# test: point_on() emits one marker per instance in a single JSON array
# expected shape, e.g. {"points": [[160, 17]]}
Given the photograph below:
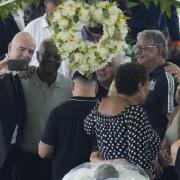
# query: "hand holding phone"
{"points": [[17, 65], [3, 67]]}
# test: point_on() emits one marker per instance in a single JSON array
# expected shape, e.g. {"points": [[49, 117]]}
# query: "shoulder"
{"points": [[135, 108], [57, 110], [136, 112], [34, 24], [26, 82], [63, 79], [163, 75]]}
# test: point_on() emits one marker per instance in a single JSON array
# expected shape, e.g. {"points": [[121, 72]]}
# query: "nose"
{"points": [[137, 51], [27, 54]]}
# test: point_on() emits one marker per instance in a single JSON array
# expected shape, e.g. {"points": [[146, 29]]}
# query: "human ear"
{"points": [[141, 92], [9, 47]]}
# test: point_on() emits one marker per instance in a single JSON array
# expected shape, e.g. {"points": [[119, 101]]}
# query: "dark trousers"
{"points": [[32, 167], [7, 171]]}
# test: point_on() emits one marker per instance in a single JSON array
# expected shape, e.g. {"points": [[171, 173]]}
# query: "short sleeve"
{"points": [[90, 121], [50, 134], [143, 142]]}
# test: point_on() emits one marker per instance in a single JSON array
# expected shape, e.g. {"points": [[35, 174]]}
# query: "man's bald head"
{"points": [[22, 46]]}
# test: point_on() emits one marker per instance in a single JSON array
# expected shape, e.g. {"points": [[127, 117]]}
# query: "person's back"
{"points": [[74, 145], [65, 129], [112, 105], [120, 123]]}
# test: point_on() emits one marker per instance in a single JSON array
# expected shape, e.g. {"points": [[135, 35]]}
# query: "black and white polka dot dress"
{"points": [[125, 135]]}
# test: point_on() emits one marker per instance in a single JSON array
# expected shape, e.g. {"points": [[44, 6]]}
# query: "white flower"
{"points": [[64, 23], [84, 15], [78, 57], [81, 55]]}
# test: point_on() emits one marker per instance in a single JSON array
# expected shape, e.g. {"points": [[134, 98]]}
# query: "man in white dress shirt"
{"points": [[40, 30]]}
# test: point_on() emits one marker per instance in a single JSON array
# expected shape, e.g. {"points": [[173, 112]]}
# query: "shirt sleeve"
{"points": [[90, 121], [166, 91], [143, 142], [50, 134]]}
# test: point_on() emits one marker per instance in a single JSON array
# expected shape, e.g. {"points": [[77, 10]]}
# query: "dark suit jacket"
{"points": [[12, 112]]}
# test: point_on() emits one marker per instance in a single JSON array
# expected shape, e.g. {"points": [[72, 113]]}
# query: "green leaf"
{"points": [[146, 3], [117, 35], [71, 58], [76, 19], [106, 13], [97, 55], [105, 41], [132, 4]]}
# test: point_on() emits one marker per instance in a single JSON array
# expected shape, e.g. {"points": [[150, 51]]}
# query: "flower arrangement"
{"points": [[83, 56]]}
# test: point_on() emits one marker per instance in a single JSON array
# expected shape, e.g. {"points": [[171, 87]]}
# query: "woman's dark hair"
{"points": [[128, 77]]}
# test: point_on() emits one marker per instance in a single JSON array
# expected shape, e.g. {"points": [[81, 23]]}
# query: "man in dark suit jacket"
{"points": [[8, 28], [12, 105]]}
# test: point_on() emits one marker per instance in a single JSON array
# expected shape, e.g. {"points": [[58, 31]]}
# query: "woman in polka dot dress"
{"points": [[121, 125]]}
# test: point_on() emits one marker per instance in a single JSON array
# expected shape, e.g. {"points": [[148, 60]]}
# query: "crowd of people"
{"points": [[53, 120]]}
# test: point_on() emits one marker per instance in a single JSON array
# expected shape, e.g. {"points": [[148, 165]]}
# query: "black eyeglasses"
{"points": [[143, 49]]}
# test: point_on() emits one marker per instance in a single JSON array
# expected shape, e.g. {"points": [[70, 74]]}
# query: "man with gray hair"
{"points": [[106, 75], [151, 50], [64, 138]]}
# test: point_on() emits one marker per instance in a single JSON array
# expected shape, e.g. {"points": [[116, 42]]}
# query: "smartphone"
{"points": [[18, 65]]}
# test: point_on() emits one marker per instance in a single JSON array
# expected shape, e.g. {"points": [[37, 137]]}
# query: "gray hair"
{"points": [[155, 38]]}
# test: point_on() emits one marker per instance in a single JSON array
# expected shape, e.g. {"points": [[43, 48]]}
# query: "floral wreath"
{"points": [[83, 56]]}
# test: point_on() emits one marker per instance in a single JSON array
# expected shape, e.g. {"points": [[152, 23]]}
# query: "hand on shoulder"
{"points": [[174, 70], [29, 73]]}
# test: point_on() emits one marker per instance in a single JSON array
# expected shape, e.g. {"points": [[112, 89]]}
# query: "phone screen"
{"points": [[18, 65]]}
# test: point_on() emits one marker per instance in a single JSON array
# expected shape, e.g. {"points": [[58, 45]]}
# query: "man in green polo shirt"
{"points": [[45, 90]]}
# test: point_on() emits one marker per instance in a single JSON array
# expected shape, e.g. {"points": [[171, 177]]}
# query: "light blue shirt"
{"points": [[41, 100]]}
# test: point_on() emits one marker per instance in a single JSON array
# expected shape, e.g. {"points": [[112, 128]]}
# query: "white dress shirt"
{"points": [[39, 29]]}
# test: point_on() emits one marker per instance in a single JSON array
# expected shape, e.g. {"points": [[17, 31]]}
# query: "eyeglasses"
{"points": [[142, 49]]}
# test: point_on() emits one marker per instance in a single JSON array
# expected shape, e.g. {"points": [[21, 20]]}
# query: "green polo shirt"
{"points": [[40, 100]]}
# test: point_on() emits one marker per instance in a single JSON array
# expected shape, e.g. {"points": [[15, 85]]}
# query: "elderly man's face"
{"points": [[49, 59], [145, 52], [106, 75], [50, 8], [21, 49]]}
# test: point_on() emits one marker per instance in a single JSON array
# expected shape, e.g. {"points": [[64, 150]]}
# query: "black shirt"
{"points": [[160, 100], [65, 131]]}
